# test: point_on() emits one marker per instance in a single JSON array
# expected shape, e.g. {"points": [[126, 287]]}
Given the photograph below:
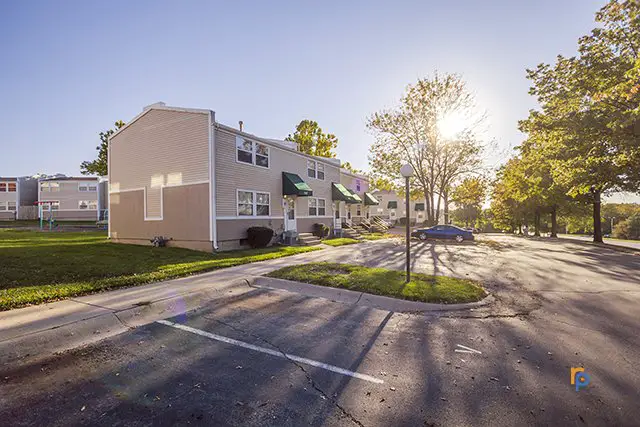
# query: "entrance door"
{"points": [[290, 217]]}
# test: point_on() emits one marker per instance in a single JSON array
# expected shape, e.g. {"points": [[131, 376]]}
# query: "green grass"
{"points": [[36, 223], [380, 281], [340, 241], [378, 236], [38, 267]]}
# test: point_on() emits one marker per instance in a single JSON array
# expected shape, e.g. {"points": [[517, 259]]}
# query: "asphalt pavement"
{"points": [[272, 357]]}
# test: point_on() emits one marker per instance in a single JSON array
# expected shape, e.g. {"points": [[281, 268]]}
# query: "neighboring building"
{"points": [[359, 209], [177, 173], [73, 198], [392, 207], [16, 194]]}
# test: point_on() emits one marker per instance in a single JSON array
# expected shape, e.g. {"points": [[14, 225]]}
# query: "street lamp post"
{"points": [[406, 171]]}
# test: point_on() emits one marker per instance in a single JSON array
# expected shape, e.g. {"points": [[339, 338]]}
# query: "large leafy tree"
{"points": [[312, 140], [99, 165], [413, 133], [469, 196], [590, 109]]}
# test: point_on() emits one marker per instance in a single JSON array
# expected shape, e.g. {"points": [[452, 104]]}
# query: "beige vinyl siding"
{"points": [[69, 196], [232, 175], [162, 148]]}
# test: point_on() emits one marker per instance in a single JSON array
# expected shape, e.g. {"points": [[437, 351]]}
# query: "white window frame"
{"points": [[316, 202], [358, 210], [89, 187], [254, 203], [15, 206], [90, 205], [6, 186], [254, 153], [358, 185], [4, 206], [48, 187], [315, 169]]}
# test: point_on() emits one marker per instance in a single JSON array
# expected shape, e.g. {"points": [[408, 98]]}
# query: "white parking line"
{"points": [[466, 349], [276, 353]]}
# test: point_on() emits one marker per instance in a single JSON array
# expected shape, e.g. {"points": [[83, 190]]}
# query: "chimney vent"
{"points": [[241, 125]]}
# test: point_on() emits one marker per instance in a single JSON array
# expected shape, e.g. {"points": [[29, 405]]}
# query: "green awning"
{"points": [[340, 192], [293, 185], [370, 200], [419, 206], [392, 205], [355, 196]]}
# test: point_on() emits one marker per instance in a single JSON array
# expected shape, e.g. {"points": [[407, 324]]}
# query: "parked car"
{"points": [[443, 232]]}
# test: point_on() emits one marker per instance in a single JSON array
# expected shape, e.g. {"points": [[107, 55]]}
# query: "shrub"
{"points": [[259, 237], [628, 229], [320, 230]]}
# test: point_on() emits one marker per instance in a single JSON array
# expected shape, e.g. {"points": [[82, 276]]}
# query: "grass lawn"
{"points": [[37, 267], [377, 236], [380, 281], [340, 241]]}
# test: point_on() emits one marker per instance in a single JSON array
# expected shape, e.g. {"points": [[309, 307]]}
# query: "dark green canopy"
{"points": [[340, 192], [293, 185], [355, 196], [370, 200], [392, 205], [419, 206]]}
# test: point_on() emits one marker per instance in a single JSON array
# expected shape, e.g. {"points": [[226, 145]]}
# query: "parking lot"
{"points": [[270, 357]]}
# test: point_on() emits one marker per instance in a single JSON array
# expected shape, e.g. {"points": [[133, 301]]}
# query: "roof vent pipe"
{"points": [[241, 125]]}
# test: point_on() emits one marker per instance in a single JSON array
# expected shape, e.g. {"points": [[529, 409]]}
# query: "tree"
{"points": [[312, 140], [347, 166], [99, 166], [414, 133], [591, 109], [469, 196]]}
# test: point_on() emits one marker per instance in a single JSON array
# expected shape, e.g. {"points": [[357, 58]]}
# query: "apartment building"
{"points": [[72, 198], [178, 173], [393, 207], [17, 193]]}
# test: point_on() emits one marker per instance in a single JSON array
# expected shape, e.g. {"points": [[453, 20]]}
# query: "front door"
{"points": [[290, 215]]}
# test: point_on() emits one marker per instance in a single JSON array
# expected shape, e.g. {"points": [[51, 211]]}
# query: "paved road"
{"points": [[615, 242], [266, 357]]}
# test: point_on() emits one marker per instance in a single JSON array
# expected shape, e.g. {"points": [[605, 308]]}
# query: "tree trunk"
{"points": [[520, 229], [437, 216], [597, 220], [446, 207], [536, 223], [427, 207], [554, 221]]}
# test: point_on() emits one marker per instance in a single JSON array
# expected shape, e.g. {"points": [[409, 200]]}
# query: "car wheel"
{"points": [[422, 236], [459, 238]]}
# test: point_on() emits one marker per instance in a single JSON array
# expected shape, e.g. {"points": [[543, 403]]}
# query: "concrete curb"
{"points": [[360, 298]]}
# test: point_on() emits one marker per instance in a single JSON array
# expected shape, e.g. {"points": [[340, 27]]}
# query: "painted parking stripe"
{"points": [[272, 352]]}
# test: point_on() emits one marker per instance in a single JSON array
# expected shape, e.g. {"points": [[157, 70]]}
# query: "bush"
{"points": [[320, 230], [628, 229], [259, 237]]}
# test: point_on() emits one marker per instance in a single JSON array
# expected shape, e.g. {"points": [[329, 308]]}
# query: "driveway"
{"points": [[270, 357]]}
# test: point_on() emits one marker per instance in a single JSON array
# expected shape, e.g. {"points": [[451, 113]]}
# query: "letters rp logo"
{"points": [[579, 378]]}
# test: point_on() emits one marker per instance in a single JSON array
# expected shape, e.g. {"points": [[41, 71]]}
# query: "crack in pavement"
{"points": [[298, 365]]}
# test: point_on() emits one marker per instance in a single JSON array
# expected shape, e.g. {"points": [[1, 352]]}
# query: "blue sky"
{"points": [[72, 68]]}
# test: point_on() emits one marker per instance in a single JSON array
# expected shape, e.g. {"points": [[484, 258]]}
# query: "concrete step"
{"points": [[308, 239]]}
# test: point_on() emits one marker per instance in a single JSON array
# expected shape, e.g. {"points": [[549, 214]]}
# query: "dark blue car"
{"points": [[443, 232]]}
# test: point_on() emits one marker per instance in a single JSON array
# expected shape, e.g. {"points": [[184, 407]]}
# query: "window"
{"points": [[262, 155], [253, 203], [245, 203], [8, 187], [251, 152], [317, 207], [358, 210], [311, 168], [88, 204], [11, 206], [3, 206], [358, 185], [262, 204], [46, 187], [315, 169], [87, 186]]}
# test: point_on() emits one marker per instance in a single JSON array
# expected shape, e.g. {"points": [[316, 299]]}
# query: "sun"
{"points": [[452, 124]]}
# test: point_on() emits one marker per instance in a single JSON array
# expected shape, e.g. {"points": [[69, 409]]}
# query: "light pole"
{"points": [[612, 218], [406, 171]]}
